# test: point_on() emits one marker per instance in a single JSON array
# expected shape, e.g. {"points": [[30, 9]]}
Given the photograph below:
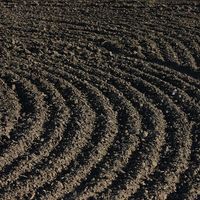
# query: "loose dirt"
{"points": [[99, 100]]}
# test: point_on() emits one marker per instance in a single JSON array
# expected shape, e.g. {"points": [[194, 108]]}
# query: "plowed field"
{"points": [[99, 99]]}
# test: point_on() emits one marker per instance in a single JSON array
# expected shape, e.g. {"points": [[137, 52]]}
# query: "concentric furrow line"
{"points": [[174, 80], [144, 66], [128, 149], [195, 49], [8, 117], [172, 50], [179, 96], [62, 161], [68, 69], [179, 128], [184, 52], [195, 82], [169, 53], [168, 78], [193, 110], [99, 149], [99, 100], [178, 81], [190, 58], [197, 115], [60, 115], [184, 55], [34, 122], [105, 140], [189, 182], [173, 87], [110, 173]]}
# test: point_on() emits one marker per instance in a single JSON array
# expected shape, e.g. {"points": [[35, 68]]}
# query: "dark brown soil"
{"points": [[99, 99]]}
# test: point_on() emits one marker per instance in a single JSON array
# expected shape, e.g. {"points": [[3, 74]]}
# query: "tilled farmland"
{"points": [[99, 100]]}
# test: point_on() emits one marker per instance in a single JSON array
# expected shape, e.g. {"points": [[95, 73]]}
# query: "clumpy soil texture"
{"points": [[99, 100]]}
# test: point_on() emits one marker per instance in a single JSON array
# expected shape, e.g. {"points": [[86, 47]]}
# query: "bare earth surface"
{"points": [[99, 99]]}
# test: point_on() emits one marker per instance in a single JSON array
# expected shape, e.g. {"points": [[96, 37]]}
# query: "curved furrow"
{"points": [[192, 111], [158, 64], [80, 77], [105, 140], [179, 126], [35, 109], [185, 100], [44, 173], [164, 81], [144, 66], [188, 42], [169, 55], [177, 89], [177, 74], [190, 87], [193, 188], [99, 99], [189, 61], [190, 188], [52, 131], [115, 162], [197, 114], [180, 98], [8, 117], [179, 95], [161, 68], [129, 123], [187, 52], [189, 182], [17, 106], [184, 55], [167, 51], [177, 83], [172, 79], [172, 50]]}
